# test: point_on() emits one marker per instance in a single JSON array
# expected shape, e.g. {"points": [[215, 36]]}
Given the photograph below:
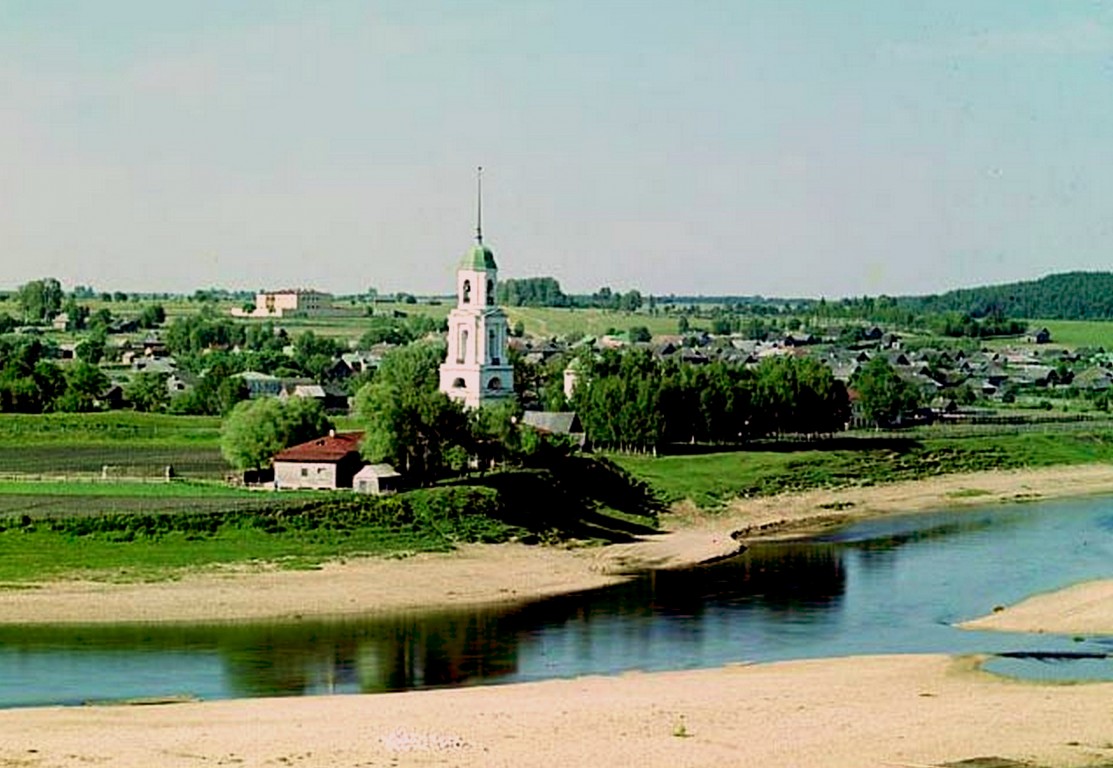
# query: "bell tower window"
{"points": [[466, 292], [490, 293], [462, 349]]}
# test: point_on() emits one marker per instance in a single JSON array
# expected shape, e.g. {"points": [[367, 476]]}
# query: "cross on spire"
{"points": [[479, 205]]}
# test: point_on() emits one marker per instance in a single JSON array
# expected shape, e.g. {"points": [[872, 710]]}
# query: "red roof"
{"points": [[324, 449]]}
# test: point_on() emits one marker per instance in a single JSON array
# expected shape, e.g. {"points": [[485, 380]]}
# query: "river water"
{"points": [[893, 585]]}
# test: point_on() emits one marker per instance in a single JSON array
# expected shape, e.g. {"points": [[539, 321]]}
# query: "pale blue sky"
{"points": [[774, 147]]}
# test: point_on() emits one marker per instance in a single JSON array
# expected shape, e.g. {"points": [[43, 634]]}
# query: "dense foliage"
{"points": [[1066, 296], [885, 398], [532, 292], [407, 421], [32, 383], [634, 401], [258, 429]]}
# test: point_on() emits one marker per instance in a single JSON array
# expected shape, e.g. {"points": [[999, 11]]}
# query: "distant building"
{"points": [[289, 303], [325, 463], [260, 384]]}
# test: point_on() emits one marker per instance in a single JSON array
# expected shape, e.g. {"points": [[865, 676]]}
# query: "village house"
{"points": [[328, 462]]}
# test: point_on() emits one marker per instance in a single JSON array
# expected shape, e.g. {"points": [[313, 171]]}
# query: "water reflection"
{"points": [[891, 586]]}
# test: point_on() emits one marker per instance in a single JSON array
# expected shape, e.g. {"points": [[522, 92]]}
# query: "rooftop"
{"points": [[323, 449]]}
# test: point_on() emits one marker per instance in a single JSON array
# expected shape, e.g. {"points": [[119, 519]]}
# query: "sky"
{"points": [[773, 147]]}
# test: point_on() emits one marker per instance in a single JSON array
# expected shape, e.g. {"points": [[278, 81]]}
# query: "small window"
{"points": [[466, 293], [458, 384], [491, 292], [305, 472], [494, 384]]}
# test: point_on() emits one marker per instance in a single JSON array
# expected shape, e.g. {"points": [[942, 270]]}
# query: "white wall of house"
{"points": [[304, 474]]}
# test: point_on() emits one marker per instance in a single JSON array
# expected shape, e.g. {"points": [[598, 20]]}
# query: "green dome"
{"points": [[479, 258]]}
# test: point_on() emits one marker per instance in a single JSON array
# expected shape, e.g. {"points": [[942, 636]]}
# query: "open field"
{"points": [[1078, 333], [115, 426], [129, 444], [552, 321]]}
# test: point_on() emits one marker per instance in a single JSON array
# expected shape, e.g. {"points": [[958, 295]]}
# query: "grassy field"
{"points": [[43, 555], [1078, 333], [115, 426], [711, 479], [130, 444]]}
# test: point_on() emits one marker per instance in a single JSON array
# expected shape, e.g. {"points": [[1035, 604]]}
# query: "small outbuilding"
{"points": [[377, 479]]}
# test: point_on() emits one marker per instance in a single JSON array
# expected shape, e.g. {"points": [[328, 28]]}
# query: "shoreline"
{"points": [[885, 710], [513, 573], [1085, 608], [912, 711]]}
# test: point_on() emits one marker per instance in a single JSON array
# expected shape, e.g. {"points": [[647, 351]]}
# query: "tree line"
{"points": [[634, 401]]}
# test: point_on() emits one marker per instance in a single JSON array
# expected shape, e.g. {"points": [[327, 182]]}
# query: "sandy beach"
{"points": [[911, 711]]}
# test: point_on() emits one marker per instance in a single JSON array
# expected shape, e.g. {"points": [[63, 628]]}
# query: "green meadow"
{"points": [[1078, 333], [713, 479]]}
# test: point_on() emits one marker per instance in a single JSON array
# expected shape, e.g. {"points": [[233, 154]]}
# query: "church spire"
{"points": [[479, 205]]}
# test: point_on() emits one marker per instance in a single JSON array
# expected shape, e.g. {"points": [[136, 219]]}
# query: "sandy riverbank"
{"points": [[1082, 609], [911, 711], [881, 711], [484, 574]]}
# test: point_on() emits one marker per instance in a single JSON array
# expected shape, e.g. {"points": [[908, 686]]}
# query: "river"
{"points": [[891, 585]]}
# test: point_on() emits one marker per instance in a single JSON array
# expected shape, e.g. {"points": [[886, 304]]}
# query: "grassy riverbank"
{"points": [[712, 479], [79, 527], [146, 531], [122, 542]]}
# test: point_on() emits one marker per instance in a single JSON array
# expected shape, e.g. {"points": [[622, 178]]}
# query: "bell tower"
{"points": [[476, 370]]}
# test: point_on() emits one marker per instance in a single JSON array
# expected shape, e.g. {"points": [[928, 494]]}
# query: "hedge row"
{"points": [[458, 513]]}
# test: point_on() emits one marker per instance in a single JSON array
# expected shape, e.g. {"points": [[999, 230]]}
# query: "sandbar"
{"points": [[1081, 609]]}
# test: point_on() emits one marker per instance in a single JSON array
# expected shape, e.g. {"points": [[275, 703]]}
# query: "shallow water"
{"points": [[885, 586]]}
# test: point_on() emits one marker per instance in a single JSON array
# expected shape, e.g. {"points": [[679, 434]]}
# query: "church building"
{"points": [[477, 370]]}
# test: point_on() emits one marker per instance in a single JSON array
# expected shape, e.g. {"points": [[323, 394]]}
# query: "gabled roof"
{"points": [[325, 449], [554, 422]]}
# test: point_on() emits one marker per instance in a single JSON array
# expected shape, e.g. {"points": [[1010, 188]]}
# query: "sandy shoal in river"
{"points": [[1081, 609], [482, 574], [869, 711]]}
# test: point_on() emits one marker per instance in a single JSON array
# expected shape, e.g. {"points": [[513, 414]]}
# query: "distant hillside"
{"points": [[1066, 296]]}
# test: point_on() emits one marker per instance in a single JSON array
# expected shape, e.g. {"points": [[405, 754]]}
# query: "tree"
{"points": [[885, 398], [84, 385], [91, 349], [152, 316], [40, 300], [76, 314], [632, 300], [256, 430], [148, 392], [407, 421]]}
